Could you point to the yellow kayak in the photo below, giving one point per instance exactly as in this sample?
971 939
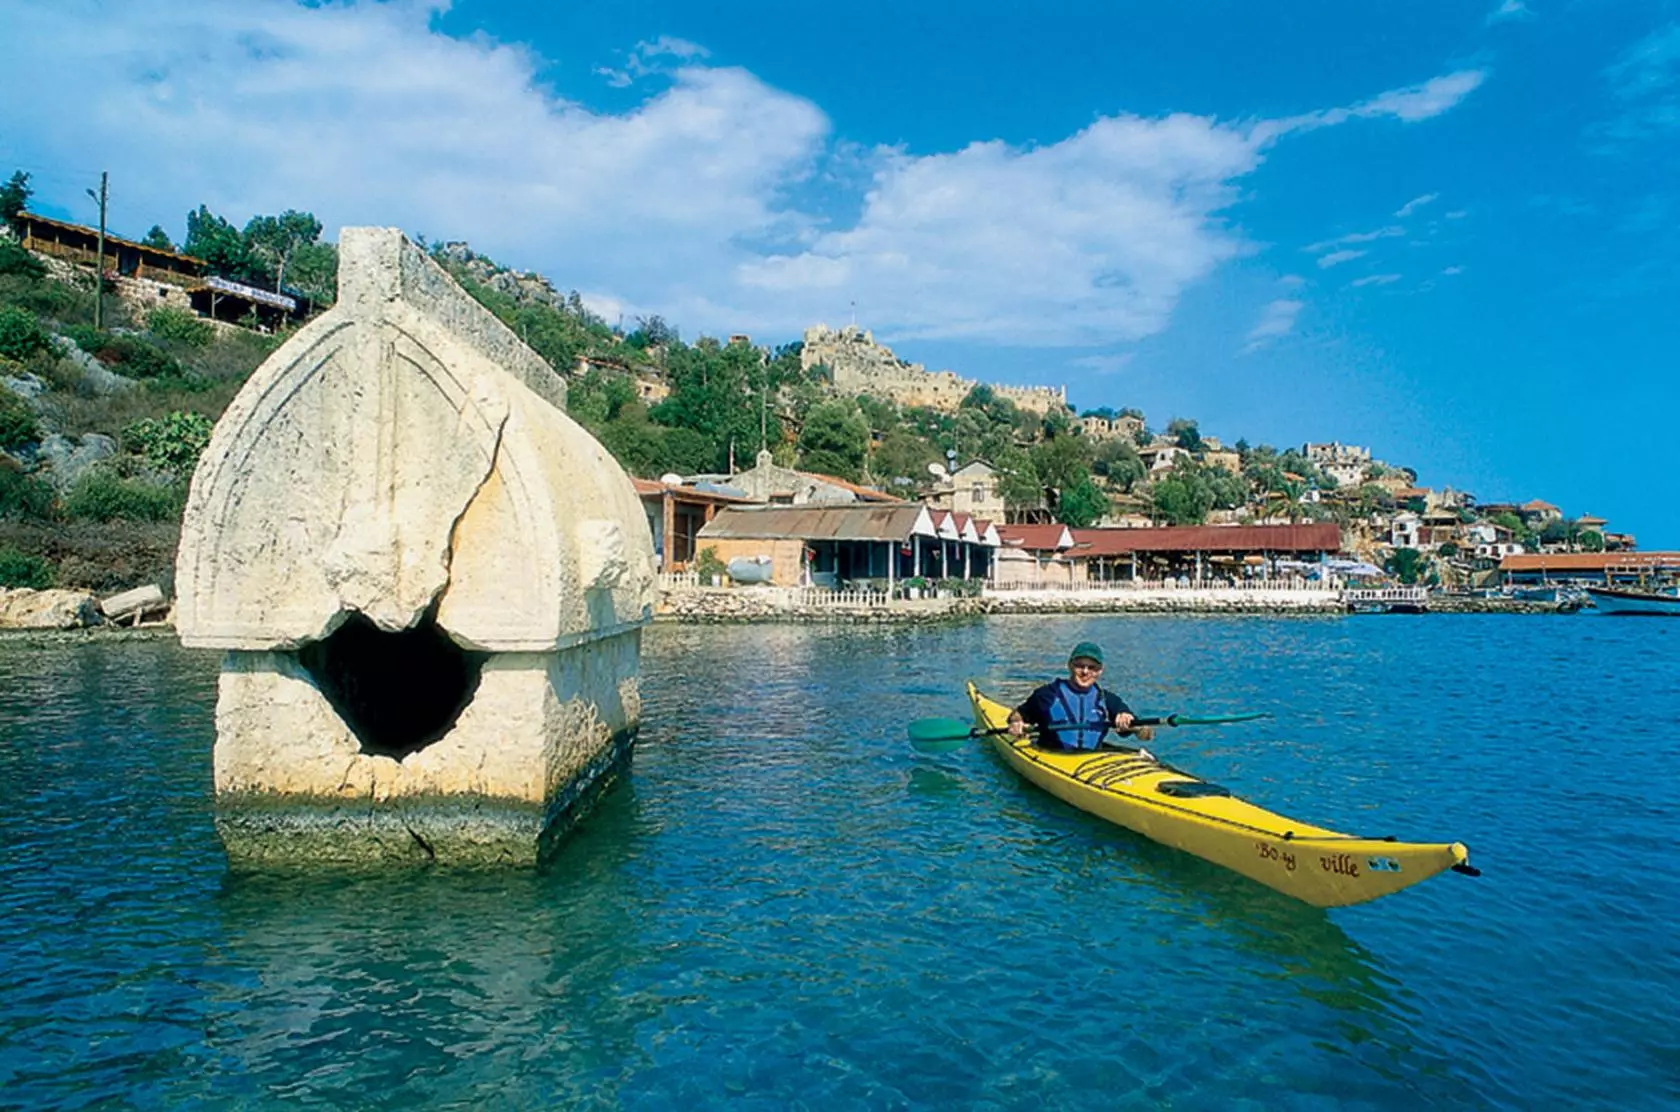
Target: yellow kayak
1322 867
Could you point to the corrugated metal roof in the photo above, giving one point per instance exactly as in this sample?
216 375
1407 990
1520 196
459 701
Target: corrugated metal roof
1318 537
648 488
849 522
1036 537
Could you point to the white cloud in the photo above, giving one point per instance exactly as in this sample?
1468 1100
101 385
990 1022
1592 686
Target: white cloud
1450 270
1336 258
684 205
1104 364
1353 237
1510 9
1414 204
1457 214
1374 280
1276 319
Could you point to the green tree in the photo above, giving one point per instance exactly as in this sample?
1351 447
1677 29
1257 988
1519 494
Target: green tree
1592 541
157 237
1406 564
273 240
14 198
1082 505
835 440
218 243
1062 462
1019 484
1181 497
902 455
1185 434
313 271
1118 462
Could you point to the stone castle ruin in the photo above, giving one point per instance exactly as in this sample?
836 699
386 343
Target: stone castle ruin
429 583
862 366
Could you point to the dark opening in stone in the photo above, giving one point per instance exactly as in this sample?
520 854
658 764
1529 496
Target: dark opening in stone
398 692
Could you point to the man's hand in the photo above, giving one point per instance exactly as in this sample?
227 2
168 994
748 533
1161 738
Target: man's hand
1123 721
1017 724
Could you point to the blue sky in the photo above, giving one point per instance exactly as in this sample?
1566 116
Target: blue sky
1447 231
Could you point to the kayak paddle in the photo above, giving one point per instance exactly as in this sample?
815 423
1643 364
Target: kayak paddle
941 735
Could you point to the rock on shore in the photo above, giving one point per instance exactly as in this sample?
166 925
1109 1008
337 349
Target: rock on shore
26 608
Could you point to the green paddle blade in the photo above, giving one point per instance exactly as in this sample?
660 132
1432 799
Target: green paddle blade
938 744
940 729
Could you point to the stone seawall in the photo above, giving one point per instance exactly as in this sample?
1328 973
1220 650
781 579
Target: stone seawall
747 605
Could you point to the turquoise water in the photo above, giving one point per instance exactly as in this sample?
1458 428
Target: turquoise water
786 906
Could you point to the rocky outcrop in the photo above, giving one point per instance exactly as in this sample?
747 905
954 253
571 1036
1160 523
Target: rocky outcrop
25 608
859 365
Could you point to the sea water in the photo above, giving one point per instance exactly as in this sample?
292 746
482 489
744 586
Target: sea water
785 906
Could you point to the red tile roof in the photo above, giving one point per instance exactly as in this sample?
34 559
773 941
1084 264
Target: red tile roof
1590 561
1038 537
1318 537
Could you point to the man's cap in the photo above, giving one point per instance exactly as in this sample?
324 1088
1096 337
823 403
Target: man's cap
1090 650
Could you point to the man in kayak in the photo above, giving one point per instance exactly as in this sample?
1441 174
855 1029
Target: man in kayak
1075 713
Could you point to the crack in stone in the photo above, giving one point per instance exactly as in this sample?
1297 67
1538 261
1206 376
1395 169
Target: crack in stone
455 526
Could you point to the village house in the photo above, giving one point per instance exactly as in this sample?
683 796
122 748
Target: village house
1124 426
676 514
1161 456
860 544
651 388
1224 458
766 481
970 489
1539 514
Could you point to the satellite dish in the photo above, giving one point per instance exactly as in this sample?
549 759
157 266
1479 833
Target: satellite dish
937 470
671 478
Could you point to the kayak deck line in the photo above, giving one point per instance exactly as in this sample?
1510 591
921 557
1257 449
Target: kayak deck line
1183 811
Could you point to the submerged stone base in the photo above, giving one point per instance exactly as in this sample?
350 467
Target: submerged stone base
264 830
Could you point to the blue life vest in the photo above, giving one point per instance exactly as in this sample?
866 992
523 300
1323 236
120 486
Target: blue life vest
1078 720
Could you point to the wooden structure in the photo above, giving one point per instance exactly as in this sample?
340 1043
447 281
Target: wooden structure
80 244
676 514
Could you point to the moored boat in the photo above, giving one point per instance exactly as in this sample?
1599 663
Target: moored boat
1322 867
1630 600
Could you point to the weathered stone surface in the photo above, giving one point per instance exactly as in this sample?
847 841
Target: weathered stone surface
483 794
24 385
403 460
96 376
68 460
310 502
25 608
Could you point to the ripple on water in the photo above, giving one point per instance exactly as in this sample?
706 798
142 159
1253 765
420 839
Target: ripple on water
786 905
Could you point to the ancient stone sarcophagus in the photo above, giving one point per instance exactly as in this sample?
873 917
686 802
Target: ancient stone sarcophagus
430 583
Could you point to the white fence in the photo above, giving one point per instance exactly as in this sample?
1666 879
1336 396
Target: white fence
1126 586
1386 594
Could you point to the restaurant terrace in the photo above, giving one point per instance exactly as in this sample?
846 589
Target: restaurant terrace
855 543
1056 555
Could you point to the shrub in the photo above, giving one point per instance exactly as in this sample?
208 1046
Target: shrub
103 496
172 442
708 565
22 497
20 333
17 422
20 570
128 355
180 327
15 260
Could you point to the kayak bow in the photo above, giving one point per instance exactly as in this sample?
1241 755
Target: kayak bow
1322 867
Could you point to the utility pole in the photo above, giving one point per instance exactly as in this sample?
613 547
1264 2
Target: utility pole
99 275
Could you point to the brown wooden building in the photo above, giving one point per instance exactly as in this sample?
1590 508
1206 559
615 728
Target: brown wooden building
80 244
